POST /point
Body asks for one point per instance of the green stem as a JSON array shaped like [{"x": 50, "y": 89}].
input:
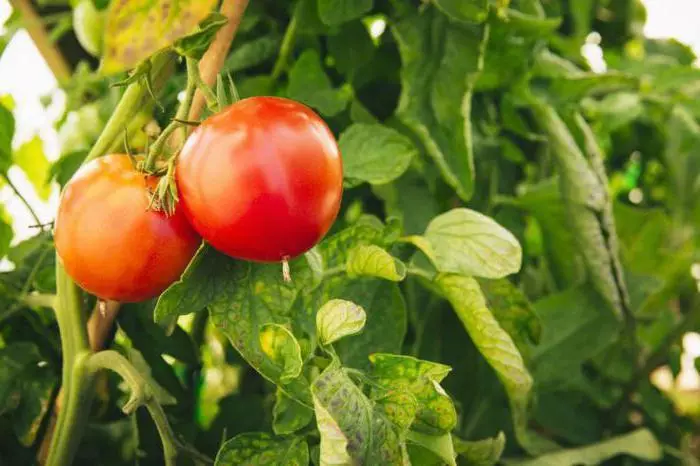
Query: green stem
[
  {"x": 77, "y": 382},
  {"x": 285, "y": 49},
  {"x": 182, "y": 112},
  {"x": 140, "y": 396},
  {"x": 203, "y": 87},
  {"x": 128, "y": 106},
  {"x": 22, "y": 198}
]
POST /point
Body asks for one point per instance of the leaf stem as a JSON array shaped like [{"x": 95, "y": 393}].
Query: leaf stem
[
  {"x": 182, "y": 112},
  {"x": 22, "y": 198},
  {"x": 128, "y": 106},
  {"x": 285, "y": 49}
]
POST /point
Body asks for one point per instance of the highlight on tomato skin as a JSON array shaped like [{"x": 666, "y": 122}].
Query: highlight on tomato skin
[
  {"x": 261, "y": 180},
  {"x": 109, "y": 240}
]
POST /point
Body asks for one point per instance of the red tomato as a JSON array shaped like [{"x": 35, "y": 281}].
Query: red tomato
[
  {"x": 262, "y": 180},
  {"x": 108, "y": 239}
]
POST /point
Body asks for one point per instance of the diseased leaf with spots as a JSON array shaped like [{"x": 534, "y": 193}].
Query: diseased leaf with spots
[
  {"x": 436, "y": 413},
  {"x": 374, "y": 153},
  {"x": 469, "y": 243},
  {"x": 373, "y": 261},
  {"x": 399, "y": 406},
  {"x": 441, "y": 62},
  {"x": 289, "y": 415},
  {"x": 258, "y": 449},
  {"x": 339, "y": 318},
  {"x": 135, "y": 29},
  {"x": 353, "y": 430},
  {"x": 280, "y": 346}
]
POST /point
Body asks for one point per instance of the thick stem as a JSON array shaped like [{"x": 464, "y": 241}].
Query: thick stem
[
  {"x": 35, "y": 27},
  {"x": 213, "y": 59},
  {"x": 77, "y": 382}
]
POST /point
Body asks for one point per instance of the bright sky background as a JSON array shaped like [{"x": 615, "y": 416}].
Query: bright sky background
[{"x": 25, "y": 76}]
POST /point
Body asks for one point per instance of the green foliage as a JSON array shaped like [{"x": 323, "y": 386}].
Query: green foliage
[{"x": 515, "y": 254}]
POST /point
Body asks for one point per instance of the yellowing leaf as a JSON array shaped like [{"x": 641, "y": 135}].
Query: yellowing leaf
[
  {"x": 136, "y": 29},
  {"x": 283, "y": 349},
  {"x": 339, "y": 318},
  {"x": 31, "y": 159},
  {"x": 373, "y": 261}
]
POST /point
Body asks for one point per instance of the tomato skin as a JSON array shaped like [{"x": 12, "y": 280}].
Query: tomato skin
[
  {"x": 109, "y": 241},
  {"x": 262, "y": 180}
]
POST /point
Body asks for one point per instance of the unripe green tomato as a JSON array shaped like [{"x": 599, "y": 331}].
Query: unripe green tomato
[{"x": 88, "y": 24}]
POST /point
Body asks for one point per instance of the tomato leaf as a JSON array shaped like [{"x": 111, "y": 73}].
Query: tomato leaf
[
  {"x": 339, "y": 318},
  {"x": 435, "y": 413},
  {"x": 498, "y": 349},
  {"x": 136, "y": 30},
  {"x": 373, "y": 261},
  {"x": 30, "y": 157},
  {"x": 374, "y": 153},
  {"x": 194, "y": 45},
  {"x": 309, "y": 84},
  {"x": 439, "y": 446},
  {"x": 441, "y": 62},
  {"x": 352, "y": 429},
  {"x": 262, "y": 449},
  {"x": 351, "y": 47},
  {"x": 288, "y": 415},
  {"x": 484, "y": 452},
  {"x": 7, "y": 132},
  {"x": 640, "y": 444},
  {"x": 470, "y": 11},
  {"x": 334, "y": 12},
  {"x": 280, "y": 346},
  {"x": 467, "y": 242}
]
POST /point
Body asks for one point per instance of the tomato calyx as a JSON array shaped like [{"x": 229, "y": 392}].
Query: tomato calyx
[{"x": 165, "y": 197}]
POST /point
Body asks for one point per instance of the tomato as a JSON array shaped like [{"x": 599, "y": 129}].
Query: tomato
[
  {"x": 262, "y": 180},
  {"x": 88, "y": 25},
  {"x": 108, "y": 239}
]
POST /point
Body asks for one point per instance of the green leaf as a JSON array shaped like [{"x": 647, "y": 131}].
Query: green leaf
[
  {"x": 194, "y": 45},
  {"x": 334, "y": 12},
  {"x": 351, "y": 48},
  {"x": 472, "y": 11},
  {"x": 6, "y": 232},
  {"x": 288, "y": 416},
  {"x": 196, "y": 288},
  {"x": 352, "y": 430},
  {"x": 373, "y": 261},
  {"x": 309, "y": 84},
  {"x": 436, "y": 413},
  {"x": 7, "y": 132},
  {"x": 484, "y": 452},
  {"x": 31, "y": 159},
  {"x": 63, "y": 169},
  {"x": 640, "y": 444},
  {"x": 374, "y": 153},
  {"x": 244, "y": 298},
  {"x": 513, "y": 312},
  {"x": 251, "y": 53},
  {"x": 283, "y": 349},
  {"x": 467, "y": 242},
  {"x": 439, "y": 445},
  {"x": 497, "y": 347},
  {"x": 136, "y": 30},
  {"x": 26, "y": 387},
  {"x": 575, "y": 328},
  {"x": 337, "y": 319},
  {"x": 258, "y": 449},
  {"x": 441, "y": 62}
]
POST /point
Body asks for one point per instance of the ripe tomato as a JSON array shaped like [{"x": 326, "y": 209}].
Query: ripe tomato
[
  {"x": 109, "y": 241},
  {"x": 262, "y": 180}
]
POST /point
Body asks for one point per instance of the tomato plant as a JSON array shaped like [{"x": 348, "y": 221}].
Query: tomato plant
[
  {"x": 104, "y": 211},
  {"x": 261, "y": 180},
  {"x": 490, "y": 227}
]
